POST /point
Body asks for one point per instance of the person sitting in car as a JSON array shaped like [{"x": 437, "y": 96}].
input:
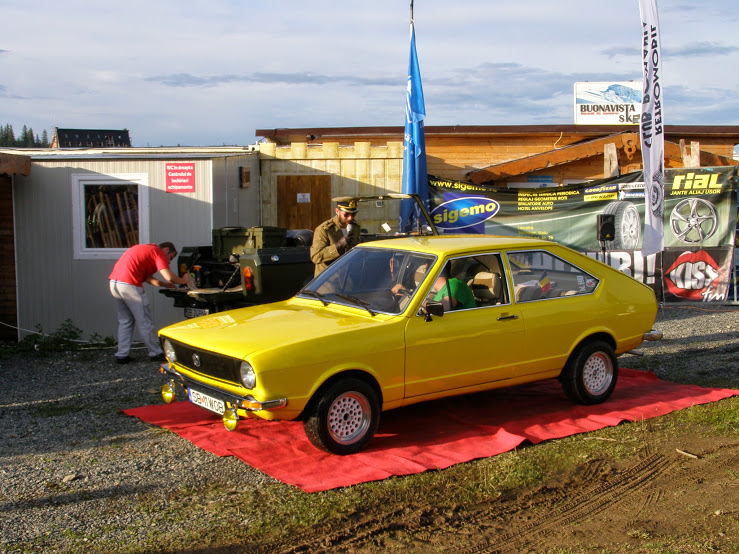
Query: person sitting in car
[{"x": 454, "y": 293}]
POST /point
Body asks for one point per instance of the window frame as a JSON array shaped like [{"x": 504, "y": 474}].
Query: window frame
[
  {"x": 78, "y": 183},
  {"x": 505, "y": 291},
  {"x": 511, "y": 253}
]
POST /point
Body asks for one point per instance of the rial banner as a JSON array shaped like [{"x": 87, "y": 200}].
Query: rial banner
[{"x": 699, "y": 224}]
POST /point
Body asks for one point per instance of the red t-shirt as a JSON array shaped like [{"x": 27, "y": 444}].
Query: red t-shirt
[{"x": 138, "y": 263}]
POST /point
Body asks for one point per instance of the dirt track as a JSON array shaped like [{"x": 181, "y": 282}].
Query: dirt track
[{"x": 666, "y": 501}]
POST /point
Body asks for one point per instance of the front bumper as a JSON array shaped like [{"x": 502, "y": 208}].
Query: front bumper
[{"x": 246, "y": 402}]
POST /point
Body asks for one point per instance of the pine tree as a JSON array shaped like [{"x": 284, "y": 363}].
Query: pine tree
[
  {"x": 7, "y": 137},
  {"x": 27, "y": 138}
]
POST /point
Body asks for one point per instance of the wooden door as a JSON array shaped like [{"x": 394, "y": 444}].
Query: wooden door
[{"x": 303, "y": 201}]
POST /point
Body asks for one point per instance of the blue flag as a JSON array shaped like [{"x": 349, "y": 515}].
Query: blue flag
[{"x": 415, "y": 178}]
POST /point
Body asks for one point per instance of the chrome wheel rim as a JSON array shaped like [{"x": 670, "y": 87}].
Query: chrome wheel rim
[
  {"x": 694, "y": 220},
  {"x": 349, "y": 417},
  {"x": 597, "y": 374}
]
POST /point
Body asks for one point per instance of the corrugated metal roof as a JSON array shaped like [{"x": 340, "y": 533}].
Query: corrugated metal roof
[
  {"x": 132, "y": 153},
  {"x": 325, "y": 134}
]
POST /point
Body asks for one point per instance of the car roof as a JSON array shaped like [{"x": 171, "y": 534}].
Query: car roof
[{"x": 451, "y": 244}]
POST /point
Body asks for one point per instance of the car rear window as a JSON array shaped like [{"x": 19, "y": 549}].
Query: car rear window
[{"x": 538, "y": 274}]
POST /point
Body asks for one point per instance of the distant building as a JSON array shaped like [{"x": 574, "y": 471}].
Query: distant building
[{"x": 90, "y": 138}]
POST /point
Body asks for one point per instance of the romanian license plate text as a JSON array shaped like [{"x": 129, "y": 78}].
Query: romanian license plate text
[
  {"x": 207, "y": 402},
  {"x": 196, "y": 312}
]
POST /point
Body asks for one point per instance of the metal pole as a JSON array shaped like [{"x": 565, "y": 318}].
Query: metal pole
[{"x": 411, "y": 11}]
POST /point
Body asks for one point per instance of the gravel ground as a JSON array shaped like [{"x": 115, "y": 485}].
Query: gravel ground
[
  {"x": 75, "y": 471},
  {"x": 74, "y": 468}
]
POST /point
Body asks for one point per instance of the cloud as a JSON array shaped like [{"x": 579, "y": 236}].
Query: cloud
[
  {"x": 512, "y": 83},
  {"x": 626, "y": 51},
  {"x": 691, "y": 50},
  {"x": 703, "y": 48},
  {"x": 299, "y": 78}
]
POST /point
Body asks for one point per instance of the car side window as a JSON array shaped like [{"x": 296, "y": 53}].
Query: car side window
[
  {"x": 537, "y": 274},
  {"x": 471, "y": 282}
]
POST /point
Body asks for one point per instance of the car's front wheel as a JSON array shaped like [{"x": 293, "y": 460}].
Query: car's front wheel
[
  {"x": 344, "y": 417},
  {"x": 591, "y": 373}
]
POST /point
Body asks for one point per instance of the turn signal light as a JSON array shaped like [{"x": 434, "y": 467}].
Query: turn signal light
[
  {"x": 168, "y": 392},
  {"x": 248, "y": 281},
  {"x": 230, "y": 419}
]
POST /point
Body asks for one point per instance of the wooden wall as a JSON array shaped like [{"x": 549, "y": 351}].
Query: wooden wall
[
  {"x": 8, "y": 307},
  {"x": 357, "y": 170},
  {"x": 453, "y": 152}
]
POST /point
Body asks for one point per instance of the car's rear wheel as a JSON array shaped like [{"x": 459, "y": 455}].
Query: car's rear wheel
[
  {"x": 591, "y": 373},
  {"x": 344, "y": 417}
]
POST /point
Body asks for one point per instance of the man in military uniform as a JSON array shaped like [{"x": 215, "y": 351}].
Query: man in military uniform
[{"x": 334, "y": 237}]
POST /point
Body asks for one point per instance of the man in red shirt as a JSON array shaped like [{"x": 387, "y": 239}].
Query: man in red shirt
[{"x": 136, "y": 267}]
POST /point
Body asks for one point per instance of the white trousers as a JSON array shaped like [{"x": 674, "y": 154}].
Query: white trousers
[{"x": 133, "y": 310}]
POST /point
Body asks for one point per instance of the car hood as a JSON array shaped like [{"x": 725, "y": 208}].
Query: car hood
[{"x": 246, "y": 331}]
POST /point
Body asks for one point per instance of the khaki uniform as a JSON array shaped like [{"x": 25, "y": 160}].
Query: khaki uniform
[{"x": 323, "y": 252}]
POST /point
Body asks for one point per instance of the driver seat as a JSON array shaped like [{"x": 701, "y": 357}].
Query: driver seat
[{"x": 486, "y": 286}]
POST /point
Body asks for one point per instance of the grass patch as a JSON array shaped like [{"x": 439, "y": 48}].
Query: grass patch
[
  {"x": 68, "y": 337},
  {"x": 55, "y": 409}
]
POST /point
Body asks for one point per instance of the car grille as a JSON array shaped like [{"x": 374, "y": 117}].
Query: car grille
[{"x": 211, "y": 364}]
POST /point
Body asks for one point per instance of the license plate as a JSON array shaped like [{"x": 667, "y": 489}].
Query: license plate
[
  {"x": 207, "y": 402},
  {"x": 196, "y": 312}
]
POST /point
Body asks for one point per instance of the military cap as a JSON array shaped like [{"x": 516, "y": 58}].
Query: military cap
[{"x": 348, "y": 205}]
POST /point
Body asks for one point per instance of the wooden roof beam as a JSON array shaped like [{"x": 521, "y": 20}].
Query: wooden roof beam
[
  {"x": 629, "y": 142},
  {"x": 15, "y": 164},
  {"x": 675, "y": 156}
]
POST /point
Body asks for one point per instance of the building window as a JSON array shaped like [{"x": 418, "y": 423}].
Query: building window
[{"x": 111, "y": 214}]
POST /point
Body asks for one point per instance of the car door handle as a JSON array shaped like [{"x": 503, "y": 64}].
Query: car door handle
[{"x": 512, "y": 316}]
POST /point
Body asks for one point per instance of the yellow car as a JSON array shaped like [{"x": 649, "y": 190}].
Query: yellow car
[{"x": 400, "y": 321}]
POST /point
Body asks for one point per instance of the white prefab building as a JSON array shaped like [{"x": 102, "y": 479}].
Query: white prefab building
[{"x": 78, "y": 210}]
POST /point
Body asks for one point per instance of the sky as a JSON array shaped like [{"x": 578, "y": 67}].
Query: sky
[{"x": 197, "y": 73}]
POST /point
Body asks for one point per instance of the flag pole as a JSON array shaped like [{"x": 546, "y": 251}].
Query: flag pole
[{"x": 411, "y": 11}]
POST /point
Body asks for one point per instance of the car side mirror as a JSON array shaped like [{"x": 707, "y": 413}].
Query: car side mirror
[{"x": 434, "y": 308}]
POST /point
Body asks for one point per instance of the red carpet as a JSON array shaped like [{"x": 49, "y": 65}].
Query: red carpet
[{"x": 432, "y": 435}]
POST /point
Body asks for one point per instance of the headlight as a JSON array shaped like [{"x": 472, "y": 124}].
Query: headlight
[
  {"x": 248, "y": 377},
  {"x": 169, "y": 351}
]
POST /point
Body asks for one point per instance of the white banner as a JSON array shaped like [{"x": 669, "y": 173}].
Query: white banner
[
  {"x": 651, "y": 130},
  {"x": 607, "y": 103}
]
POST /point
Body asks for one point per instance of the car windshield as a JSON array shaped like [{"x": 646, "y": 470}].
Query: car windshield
[{"x": 379, "y": 280}]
